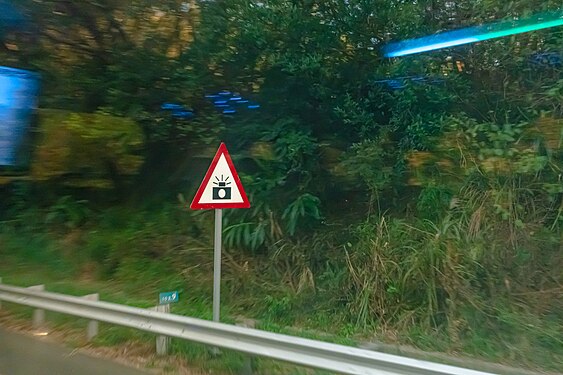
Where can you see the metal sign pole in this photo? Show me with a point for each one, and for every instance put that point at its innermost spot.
(217, 264)
(221, 188)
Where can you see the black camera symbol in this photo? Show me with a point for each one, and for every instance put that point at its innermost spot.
(222, 191)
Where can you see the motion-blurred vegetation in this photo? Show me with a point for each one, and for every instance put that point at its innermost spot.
(428, 213)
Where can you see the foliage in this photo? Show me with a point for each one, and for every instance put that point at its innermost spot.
(98, 146)
(375, 164)
(305, 205)
(459, 160)
(261, 226)
(68, 212)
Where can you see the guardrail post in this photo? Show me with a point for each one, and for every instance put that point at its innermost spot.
(92, 324)
(162, 342)
(38, 314)
(248, 364)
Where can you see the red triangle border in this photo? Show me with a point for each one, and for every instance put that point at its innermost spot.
(206, 206)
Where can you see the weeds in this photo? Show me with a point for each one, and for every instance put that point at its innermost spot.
(453, 281)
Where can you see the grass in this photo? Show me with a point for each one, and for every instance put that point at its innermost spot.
(229, 362)
(129, 259)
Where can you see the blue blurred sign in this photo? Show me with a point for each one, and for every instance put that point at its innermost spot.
(18, 98)
(168, 297)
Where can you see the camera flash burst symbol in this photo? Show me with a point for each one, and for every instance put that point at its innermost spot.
(221, 182)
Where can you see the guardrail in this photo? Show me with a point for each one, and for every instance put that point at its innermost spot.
(309, 353)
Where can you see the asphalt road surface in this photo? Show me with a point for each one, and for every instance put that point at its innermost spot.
(24, 355)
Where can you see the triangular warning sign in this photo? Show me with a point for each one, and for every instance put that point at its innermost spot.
(221, 186)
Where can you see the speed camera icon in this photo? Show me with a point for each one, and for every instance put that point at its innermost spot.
(222, 190)
(221, 186)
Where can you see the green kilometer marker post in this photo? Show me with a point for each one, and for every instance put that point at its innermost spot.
(474, 34)
(168, 297)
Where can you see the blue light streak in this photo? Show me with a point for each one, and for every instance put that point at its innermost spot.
(473, 35)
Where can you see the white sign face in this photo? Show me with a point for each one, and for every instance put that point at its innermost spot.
(221, 188)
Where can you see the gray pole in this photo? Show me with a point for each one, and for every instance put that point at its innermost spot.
(217, 264)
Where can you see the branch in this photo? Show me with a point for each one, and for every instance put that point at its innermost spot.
(58, 39)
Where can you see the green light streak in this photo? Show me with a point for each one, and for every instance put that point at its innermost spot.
(520, 30)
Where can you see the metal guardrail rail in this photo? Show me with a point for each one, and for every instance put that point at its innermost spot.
(309, 353)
